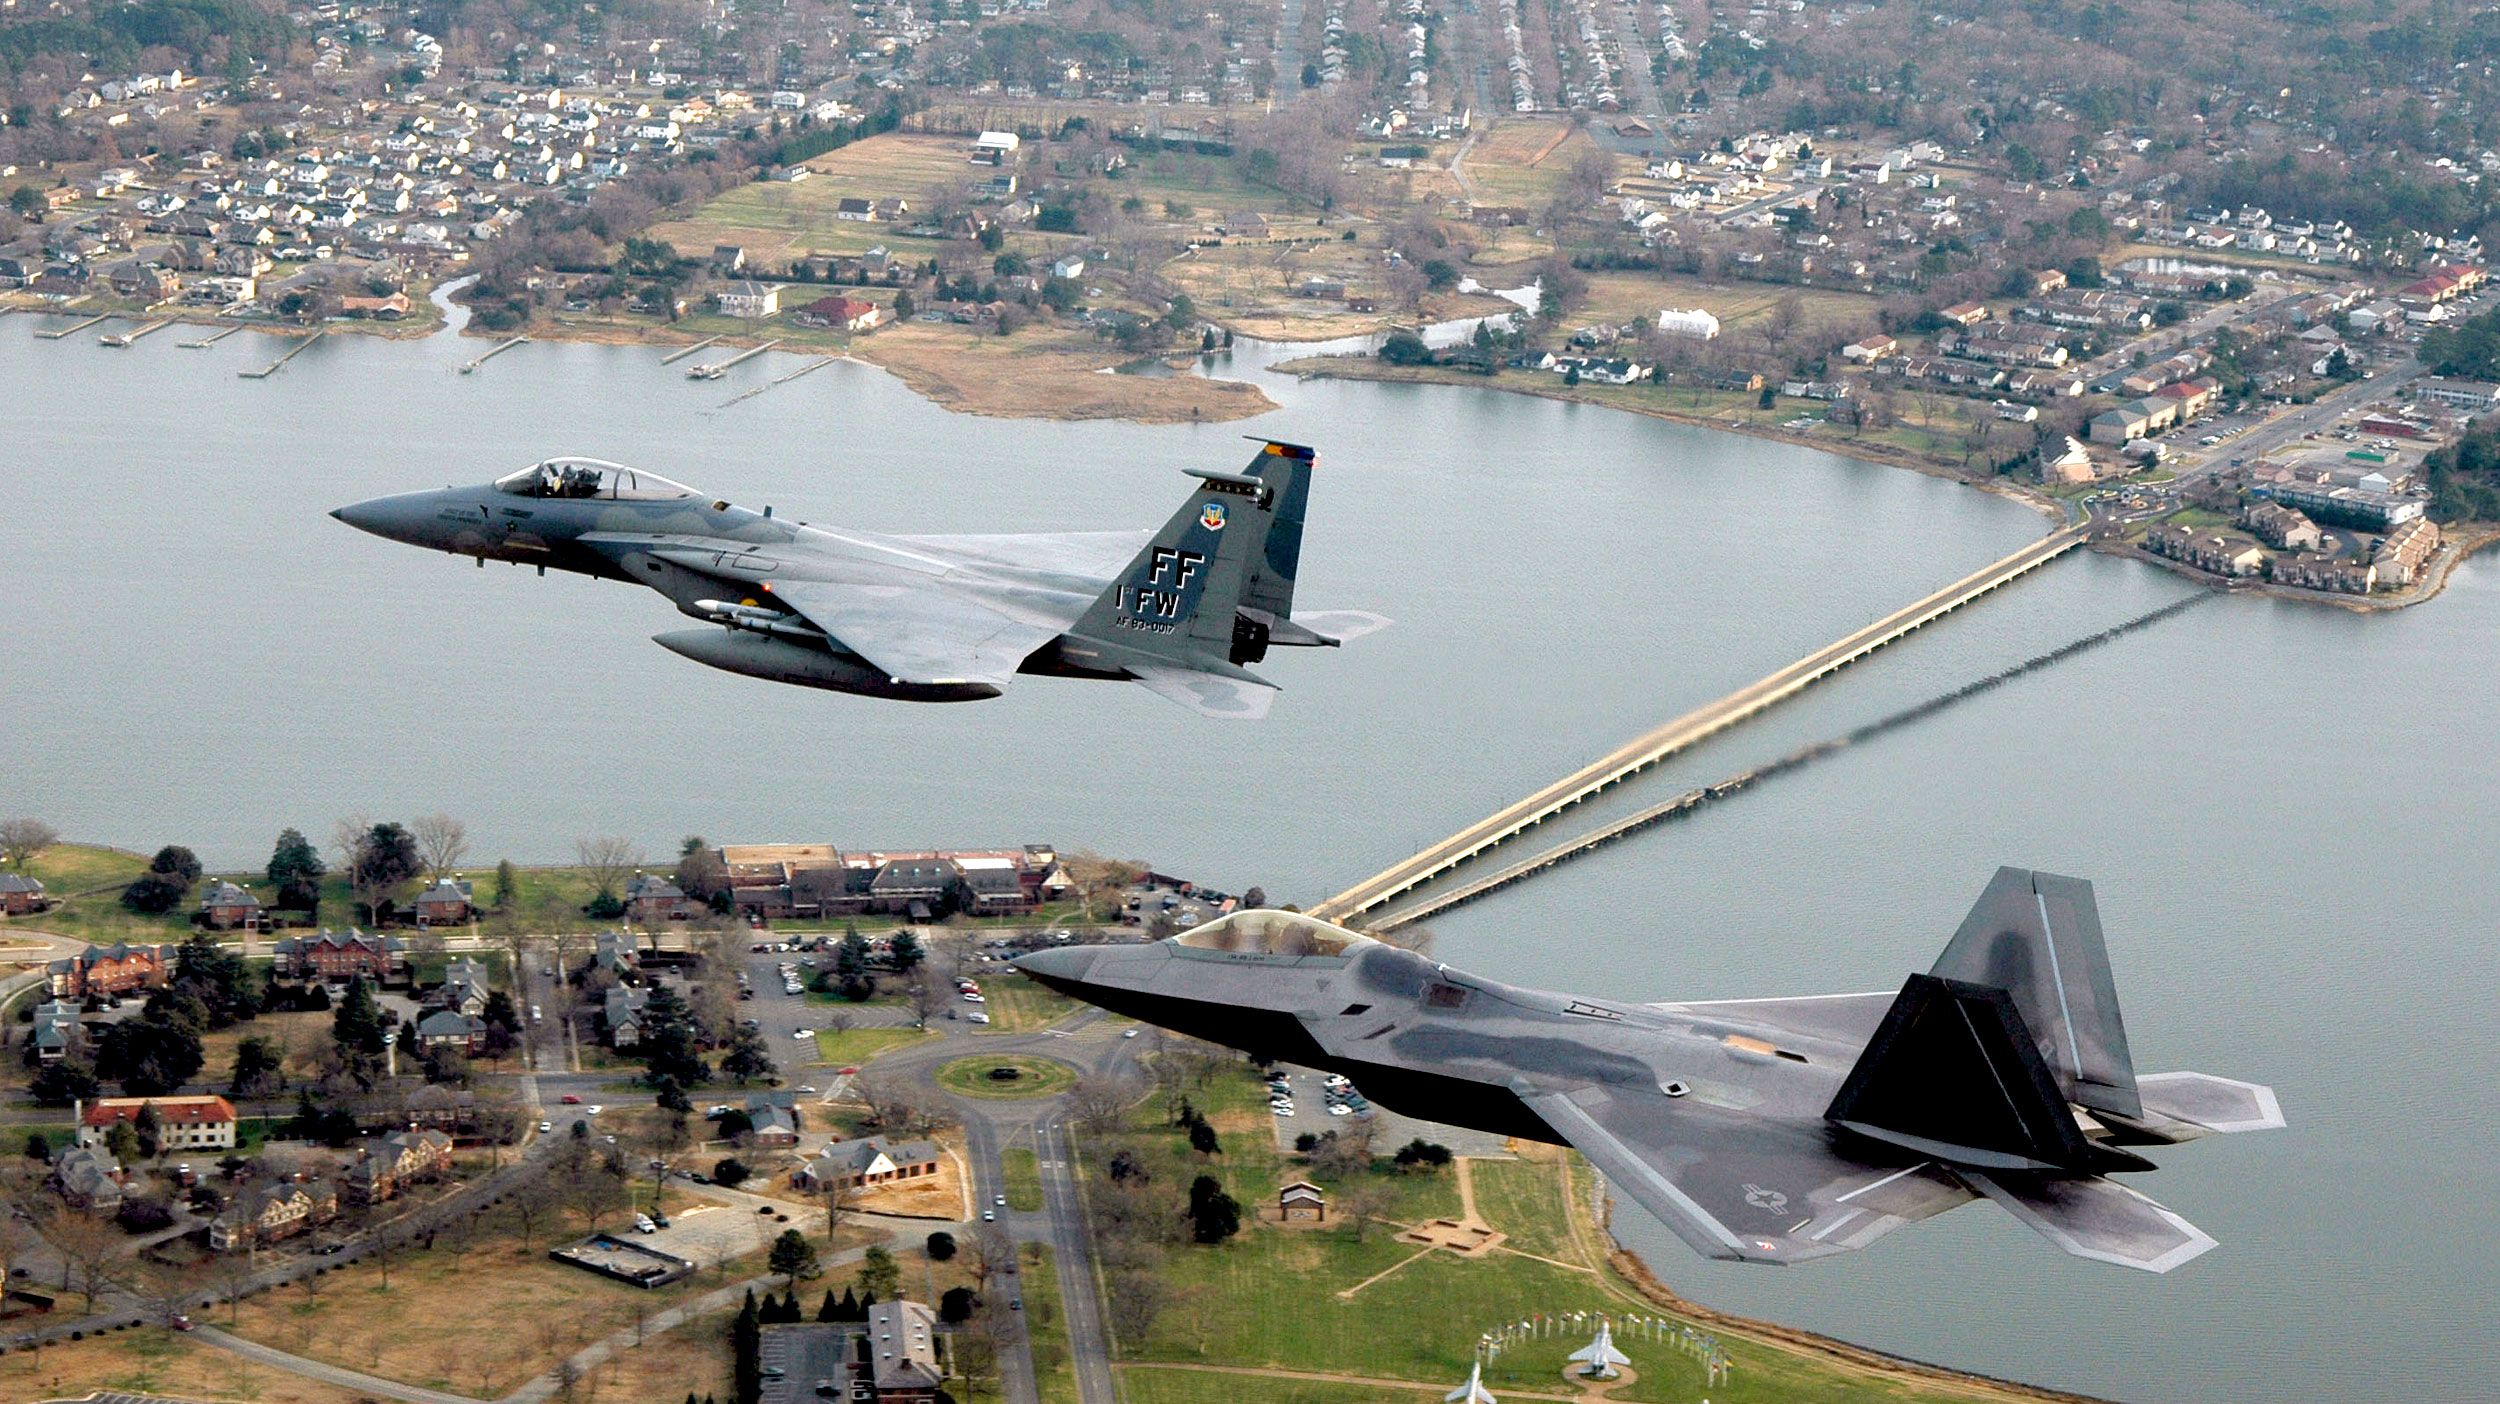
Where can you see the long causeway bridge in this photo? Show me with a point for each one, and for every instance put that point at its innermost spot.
(1648, 749)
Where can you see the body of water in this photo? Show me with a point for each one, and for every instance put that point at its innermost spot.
(2287, 808)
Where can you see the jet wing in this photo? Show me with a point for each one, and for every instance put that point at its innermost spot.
(1092, 555)
(1738, 1187)
(918, 633)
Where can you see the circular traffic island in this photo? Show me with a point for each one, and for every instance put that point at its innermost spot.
(1006, 1076)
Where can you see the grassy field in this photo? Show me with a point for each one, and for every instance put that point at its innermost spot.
(850, 1047)
(152, 1360)
(692, 1359)
(777, 221)
(1041, 1077)
(1046, 1322)
(1017, 1005)
(1310, 1299)
(1024, 1179)
(1147, 1384)
(495, 1314)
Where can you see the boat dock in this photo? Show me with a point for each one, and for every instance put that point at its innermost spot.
(1648, 749)
(274, 366)
(471, 367)
(209, 340)
(717, 369)
(683, 352)
(750, 394)
(125, 338)
(74, 328)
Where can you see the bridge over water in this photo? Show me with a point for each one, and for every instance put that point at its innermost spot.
(1648, 749)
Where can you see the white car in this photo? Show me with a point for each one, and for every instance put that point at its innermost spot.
(804, 1033)
(978, 1017)
(546, 1126)
(1341, 1109)
(643, 1224)
(592, 1110)
(1130, 1034)
(970, 998)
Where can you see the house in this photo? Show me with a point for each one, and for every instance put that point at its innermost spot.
(866, 1162)
(184, 1123)
(728, 259)
(226, 907)
(623, 1014)
(2283, 528)
(748, 299)
(615, 953)
(449, 1028)
(1301, 1202)
(912, 886)
(446, 903)
(395, 1162)
(273, 1212)
(2015, 412)
(464, 987)
(338, 958)
(2310, 571)
(389, 308)
(901, 1347)
(89, 1178)
(57, 1033)
(995, 148)
(2213, 552)
(2472, 396)
(1869, 351)
(651, 899)
(20, 895)
(1965, 314)
(850, 314)
(2403, 551)
(857, 209)
(111, 970)
(775, 1118)
(2071, 464)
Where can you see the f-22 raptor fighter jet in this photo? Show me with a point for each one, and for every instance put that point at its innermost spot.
(918, 618)
(1760, 1130)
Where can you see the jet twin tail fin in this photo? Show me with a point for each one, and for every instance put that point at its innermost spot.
(1179, 600)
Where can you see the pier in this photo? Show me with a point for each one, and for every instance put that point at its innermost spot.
(74, 328)
(1648, 749)
(717, 369)
(126, 338)
(471, 367)
(209, 340)
(275, 366)
(745, 395)
(683, 352)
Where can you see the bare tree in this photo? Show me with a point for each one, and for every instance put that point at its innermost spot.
(89, 1258)
(836, 1196)
(1096, 877)
(1358, 1203)
(444, 842)
(608, 859)
(993, 1252)
(232, 1274)
(1097, 1102)
(22, 839)
(531, 1202)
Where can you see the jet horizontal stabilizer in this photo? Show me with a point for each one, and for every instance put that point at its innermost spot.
(2097, 1218)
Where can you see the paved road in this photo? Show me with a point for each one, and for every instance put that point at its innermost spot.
(327, 1374)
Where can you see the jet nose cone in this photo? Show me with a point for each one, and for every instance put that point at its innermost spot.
(1063, 969)
(364, 516)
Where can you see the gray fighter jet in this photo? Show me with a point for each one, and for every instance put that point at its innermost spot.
(1761, 1130)
(919, 618)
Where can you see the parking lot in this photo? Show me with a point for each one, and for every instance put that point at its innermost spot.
(712, 1233)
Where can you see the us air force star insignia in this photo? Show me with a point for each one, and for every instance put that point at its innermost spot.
(1212, 517)
(1761, 1198)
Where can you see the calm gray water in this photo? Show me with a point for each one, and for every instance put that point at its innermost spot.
(2286, 808)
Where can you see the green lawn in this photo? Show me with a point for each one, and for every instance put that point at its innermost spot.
(1046, 1324)
(1144, 1384)
(1017, 1005)
(1024, 1179)
(847, 1047)
(1270, 1297)
(1041, 1077)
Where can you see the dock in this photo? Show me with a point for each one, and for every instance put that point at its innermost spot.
(126, 338)
(74, 328)
(683, 352)
(1656, 745)
(471, 367)
(209, 340)
(717, 369)
(275, 366)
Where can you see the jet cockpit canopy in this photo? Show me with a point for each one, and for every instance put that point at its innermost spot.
(1265, 931)
(590, 478)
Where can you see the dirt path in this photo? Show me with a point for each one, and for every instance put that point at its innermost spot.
(1369, 1382)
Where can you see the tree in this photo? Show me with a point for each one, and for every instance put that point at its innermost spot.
(700, 872)
(607, 860)
(61, 1083)
(1213, 1215)
(1405, 348)
(940, 1247)
(507, 885)
(955, 1305)
(357, 1027)
(259, 1068)
(747, 1058)
(151, 1055)
(794, 1257)
(669, 1044)
(294, 860)
(1202, 1138)
(21, 840)
(730, 1172)
(442, 842)
(26, 202)
(380, 857)
(905, 953)
(746, 1344)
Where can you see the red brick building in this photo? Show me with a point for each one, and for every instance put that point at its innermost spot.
(338, 958)
(111, 970)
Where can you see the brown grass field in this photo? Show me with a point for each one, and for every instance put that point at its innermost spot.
(152, 1360)
(1051, 377)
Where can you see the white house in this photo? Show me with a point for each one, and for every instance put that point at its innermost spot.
(1694, 323)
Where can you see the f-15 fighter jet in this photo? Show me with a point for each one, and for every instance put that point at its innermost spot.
(920, 618)
(1762, 1130)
